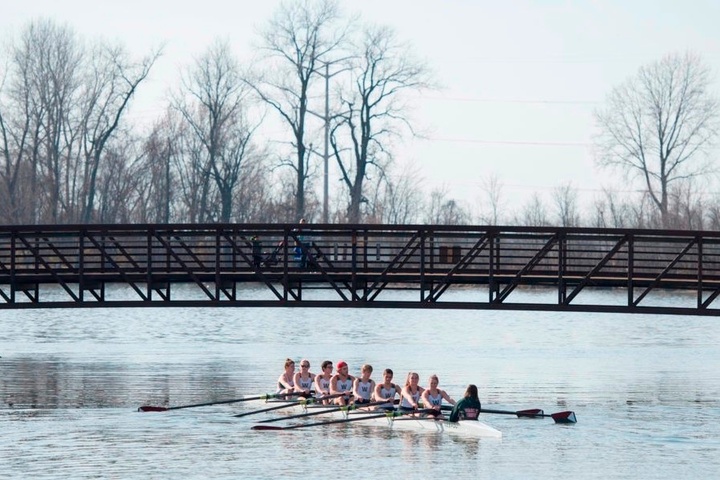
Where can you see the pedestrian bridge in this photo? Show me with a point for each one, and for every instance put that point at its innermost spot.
(328, 265)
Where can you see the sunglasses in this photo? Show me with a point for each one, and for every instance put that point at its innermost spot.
(306, 365)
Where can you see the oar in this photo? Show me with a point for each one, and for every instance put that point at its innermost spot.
(267, 396)
(333, 422)
(344, 408)
(559, 417)
(304, 401)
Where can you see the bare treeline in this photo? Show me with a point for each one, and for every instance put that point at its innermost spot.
(242, 142)
(70, 153)
(64, 147)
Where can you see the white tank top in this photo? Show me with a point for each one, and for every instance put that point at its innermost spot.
(324, 384)
(364, 389)
(305, 383)
(388, 392)
(344, 386)
(415, 396)
(280, 385)
(435, 400)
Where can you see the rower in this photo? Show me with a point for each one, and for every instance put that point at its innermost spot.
(304, 379)
(468, 408)
(410, 393)
(433, 397)
(342, 383)
(364, 386)
(386, 391)
(322, 380)
(286, 382)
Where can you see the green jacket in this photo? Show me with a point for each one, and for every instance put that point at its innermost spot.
(465, 409)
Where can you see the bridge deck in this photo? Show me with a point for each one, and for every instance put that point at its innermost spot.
(74, 266)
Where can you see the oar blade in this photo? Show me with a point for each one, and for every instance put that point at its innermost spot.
(267, 427)
(531, 413)
(150, 408)
(564, 417)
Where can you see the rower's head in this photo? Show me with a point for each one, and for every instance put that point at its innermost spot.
(305, 364)
(327, 366)
(342, 367)
(471, 392)
(388, 375)
(366, 371)
(412, 379)
(434, 381)
(289, 364)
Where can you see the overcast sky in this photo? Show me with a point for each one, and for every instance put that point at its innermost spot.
(520, 79)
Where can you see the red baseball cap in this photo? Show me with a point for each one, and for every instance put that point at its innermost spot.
(341, 364)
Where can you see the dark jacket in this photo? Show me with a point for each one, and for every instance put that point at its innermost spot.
(466, 409)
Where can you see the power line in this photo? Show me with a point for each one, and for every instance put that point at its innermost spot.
(511, 142)
(510, 100)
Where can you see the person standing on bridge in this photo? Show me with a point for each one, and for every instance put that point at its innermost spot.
(468, 408)
(300, 251)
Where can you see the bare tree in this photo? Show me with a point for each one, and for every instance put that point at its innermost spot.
(611, 211)
(193, 176)
(493, 188)
(566, 208)
(111, 82)
(119, 183)
(658, 125)
(299, 38)
(214, 104)
(686, 205)
(445, 211)
(161, 150)
(403, 197)
(43, 87)
(712, 214)
(63, 106)
(383, 69)
(534, 212)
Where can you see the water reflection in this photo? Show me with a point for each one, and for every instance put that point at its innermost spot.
(29, 382)
(646, 391)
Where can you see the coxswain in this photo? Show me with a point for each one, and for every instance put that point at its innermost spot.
(468, 408)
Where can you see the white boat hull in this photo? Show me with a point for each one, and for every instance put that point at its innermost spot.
(465, 428)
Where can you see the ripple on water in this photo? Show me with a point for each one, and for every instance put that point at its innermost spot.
(645, 390)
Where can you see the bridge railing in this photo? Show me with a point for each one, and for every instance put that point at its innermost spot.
(361, 259)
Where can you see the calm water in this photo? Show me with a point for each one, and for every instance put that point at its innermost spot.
(646, 391)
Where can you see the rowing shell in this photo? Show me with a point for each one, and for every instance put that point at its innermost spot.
(465, 428)
(292, 406)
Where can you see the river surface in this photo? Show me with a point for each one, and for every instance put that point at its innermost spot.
(645, 389)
